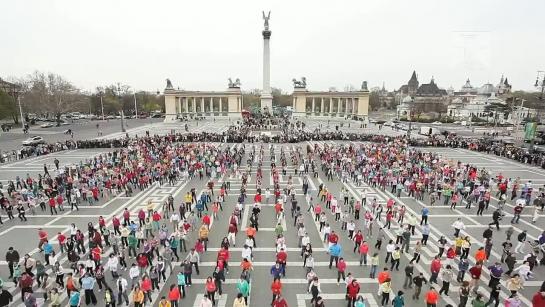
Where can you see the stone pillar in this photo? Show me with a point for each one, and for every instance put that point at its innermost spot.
(186, 104)
(202, 104)
(322, 106)
(170, 108)
(211, 104)
(266, 95)
(313, 105)
(339, 105)
(330, 105)
(353, 105)
(194, 105)
(220, 107)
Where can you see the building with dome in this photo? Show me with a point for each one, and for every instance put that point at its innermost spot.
(404, 108)
(425, 97)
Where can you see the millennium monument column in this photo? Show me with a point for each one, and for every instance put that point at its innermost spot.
(266, 96)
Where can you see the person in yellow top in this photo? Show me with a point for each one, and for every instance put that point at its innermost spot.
(239, 301)
(164, 303)
(188, 199)
(203, 232)
(458, 244)
(149, 207)
(138, 297)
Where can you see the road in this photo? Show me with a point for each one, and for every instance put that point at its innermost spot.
(83, 130)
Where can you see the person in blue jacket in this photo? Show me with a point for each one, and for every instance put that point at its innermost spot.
(277, 271)
(425, 211)
(48, 252)
(334, 253)
(200, 207)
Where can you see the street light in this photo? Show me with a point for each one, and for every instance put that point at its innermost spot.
(121, 103)
(540, 84)
(100, 94)
(135, 106)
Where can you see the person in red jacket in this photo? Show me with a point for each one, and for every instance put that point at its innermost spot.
(60, 202)
(210, 288)
(146, 286)
(142, 261)
(538, 300)
(280, 301)
(276, 288)
(206, 220)
(282, 257)
(352, 291)
(364, 250)
(116, 223)
(382, 276)
(475, 273)
(52, 205)
(174, 295)
(358, 239)
(224, 255)
(341, 268)
(432, 297)
(61, 238)
(101, 222)
(96, 253)
(435, 268)
(333, 238)
(42, 236)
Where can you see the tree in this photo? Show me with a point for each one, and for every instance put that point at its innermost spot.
(53, 94)
(281, 98)
(496, 108)
(8, 107)
(374, 101)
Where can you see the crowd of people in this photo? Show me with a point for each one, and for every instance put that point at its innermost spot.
(144, 163)
(140, 248)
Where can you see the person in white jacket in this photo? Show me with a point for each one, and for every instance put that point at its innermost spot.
(205, 301)
(458, 226)
(524, 271)
(112, 265)
(134, 274)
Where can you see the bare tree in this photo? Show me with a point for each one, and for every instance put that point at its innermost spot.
(53, 94)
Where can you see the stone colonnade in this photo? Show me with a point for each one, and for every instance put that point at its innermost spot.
(191, 104)
(333, 104)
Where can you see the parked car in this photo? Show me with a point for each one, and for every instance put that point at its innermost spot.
(35, 140)
(46, 125)
(437, 123)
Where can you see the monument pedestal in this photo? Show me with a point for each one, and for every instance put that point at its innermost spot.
(266, 103)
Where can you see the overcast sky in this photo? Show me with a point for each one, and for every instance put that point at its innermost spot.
(199, 44)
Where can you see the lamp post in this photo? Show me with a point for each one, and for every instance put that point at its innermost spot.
(121, 103)
(135, 106)
(100, 94)
(540, 84)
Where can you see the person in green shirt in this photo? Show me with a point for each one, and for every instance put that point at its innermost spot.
(478, 301)
(279, 230)
(243, 288)
(132, 241)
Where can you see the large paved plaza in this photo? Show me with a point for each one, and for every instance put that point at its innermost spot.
(24, 238)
